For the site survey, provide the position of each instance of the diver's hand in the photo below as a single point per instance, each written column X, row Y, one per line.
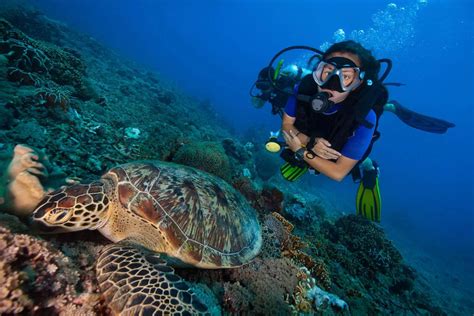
column 323, row 150
column 293, row 142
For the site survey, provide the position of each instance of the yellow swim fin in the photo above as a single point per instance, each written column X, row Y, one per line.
column 368, row 200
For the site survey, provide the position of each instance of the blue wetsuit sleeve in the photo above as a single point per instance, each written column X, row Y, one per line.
column 358, row 143
column 290, row 107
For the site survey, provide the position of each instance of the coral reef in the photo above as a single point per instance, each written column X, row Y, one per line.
column 236, row 299
column 207, row 156
column 303, row 211
column 64, row 92
column 367, row 243
column 309, row 298
column 267, row 200
column 235, row 150
column 57, row 97
column 271, row 199
column 36, row 278
column 31, row 61
column 257, row 278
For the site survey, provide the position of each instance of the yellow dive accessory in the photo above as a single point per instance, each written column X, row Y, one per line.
column 272, row 145
column 368, row 200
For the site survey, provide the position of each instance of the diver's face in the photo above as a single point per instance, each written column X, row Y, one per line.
column 349, row 76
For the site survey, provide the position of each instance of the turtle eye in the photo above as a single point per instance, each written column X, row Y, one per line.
column 59, row 216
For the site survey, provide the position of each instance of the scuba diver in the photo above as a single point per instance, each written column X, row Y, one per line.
column 330, row 116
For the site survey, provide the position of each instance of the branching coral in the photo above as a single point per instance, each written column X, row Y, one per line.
column 56, row 97
column 25, row 57
column 321, row 271
column 292, row 245
column 32, row 61
column 23, row 77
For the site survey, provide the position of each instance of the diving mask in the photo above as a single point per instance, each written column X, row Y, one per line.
column 338, row 74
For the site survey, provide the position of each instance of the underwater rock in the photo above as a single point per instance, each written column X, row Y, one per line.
column 267, row 164
column 32, row 21
column 31, row 132
column 271, row 199
column 236, row 150
column 85, row 91
column 246, row 173
column 304, row 210
column 132, row 132
column 6, row 117
column 166, row 97
column 321, row 298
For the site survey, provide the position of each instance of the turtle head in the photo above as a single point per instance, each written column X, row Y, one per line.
column 73, row 208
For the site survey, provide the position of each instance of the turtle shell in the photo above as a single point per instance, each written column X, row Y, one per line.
column 202, row 220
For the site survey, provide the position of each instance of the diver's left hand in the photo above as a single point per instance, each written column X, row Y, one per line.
column 293, row 142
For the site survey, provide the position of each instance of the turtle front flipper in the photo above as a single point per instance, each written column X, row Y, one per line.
column 136, row 281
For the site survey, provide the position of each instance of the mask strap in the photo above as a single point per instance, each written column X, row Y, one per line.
column 387, row 70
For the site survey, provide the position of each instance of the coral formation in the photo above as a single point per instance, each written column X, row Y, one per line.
column 32, row 61
column 236, row 150
column 236, row 298
column 271, row 199
column 36, row 278
column 308, row 297
column 367, row 243
column 57, row 97
column 279, row 275
column 207, row 156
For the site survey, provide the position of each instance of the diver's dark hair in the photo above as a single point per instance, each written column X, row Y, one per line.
column 369, row 64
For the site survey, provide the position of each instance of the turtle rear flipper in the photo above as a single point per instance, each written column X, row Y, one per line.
column 136, row 281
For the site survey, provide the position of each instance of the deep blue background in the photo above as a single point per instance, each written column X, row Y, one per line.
column 214, row 49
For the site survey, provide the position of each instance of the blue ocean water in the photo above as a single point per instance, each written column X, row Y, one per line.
column 214, row 50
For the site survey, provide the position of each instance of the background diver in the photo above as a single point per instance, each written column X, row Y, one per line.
column 330, row 116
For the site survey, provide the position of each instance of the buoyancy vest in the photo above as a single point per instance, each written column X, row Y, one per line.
column 338, row 127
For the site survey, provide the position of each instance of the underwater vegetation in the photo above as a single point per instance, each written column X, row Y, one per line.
column 67, row 95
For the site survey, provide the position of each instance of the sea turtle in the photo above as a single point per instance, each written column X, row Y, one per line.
column 183, row 215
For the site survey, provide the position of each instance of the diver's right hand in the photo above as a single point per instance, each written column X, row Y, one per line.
column 323, row 150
